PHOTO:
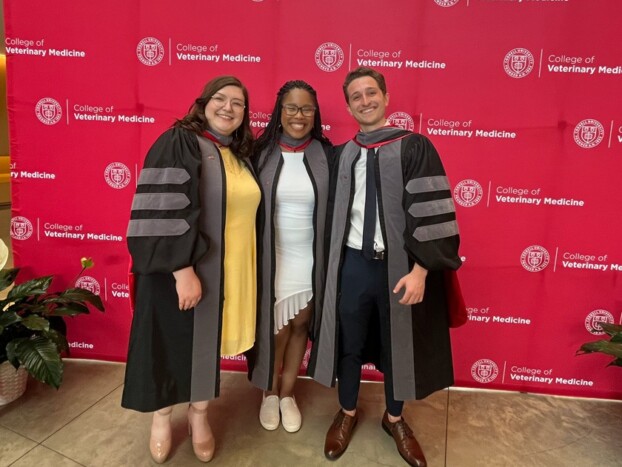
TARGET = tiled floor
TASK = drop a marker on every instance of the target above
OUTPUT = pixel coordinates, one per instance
(83, 424)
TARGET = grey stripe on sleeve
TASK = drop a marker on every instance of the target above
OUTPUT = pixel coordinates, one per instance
(436, 231)
(168, 175)
(157, 227)
(432, 208)
(427, 184)
(159, 201)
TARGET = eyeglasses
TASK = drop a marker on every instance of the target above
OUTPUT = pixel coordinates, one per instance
(221, 101)
(291, 110)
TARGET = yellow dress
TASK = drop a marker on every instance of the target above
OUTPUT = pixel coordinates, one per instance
(240, 282)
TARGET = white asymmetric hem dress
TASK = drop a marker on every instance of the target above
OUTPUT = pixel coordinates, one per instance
(293, 222)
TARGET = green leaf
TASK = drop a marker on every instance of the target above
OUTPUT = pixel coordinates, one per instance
(40, 357)
(617, 338)
(603, 346)
(83, 295)
(7, 277)
(614, 330)
(70, 309)
(36, 323)
(24, 308)
(59, 339)
(10, 356)
(32, 287)
(7, 318)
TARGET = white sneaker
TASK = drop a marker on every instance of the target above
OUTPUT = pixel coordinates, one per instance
(291, 415)
(269, 412)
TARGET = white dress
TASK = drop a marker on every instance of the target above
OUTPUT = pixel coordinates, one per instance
(293, 222)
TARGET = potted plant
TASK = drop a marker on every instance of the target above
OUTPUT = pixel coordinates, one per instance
(612, 347)
(32, 328)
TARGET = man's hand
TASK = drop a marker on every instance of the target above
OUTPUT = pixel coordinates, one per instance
(188, 288)
(414, 284)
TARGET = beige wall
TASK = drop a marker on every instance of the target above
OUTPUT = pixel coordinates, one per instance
(4, 127)
(5, 191)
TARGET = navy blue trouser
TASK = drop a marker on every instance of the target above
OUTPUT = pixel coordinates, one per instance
(364, 302)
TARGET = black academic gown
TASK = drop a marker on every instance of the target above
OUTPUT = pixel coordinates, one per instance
(317, 159)
(177, 220)
(418, 223)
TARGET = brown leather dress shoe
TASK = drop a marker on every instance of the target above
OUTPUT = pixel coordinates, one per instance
(339, 435)
(407, 444)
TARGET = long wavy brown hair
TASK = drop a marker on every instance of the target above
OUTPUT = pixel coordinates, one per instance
(195, 121)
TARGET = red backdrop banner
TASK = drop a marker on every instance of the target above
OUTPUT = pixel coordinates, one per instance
(521, 98)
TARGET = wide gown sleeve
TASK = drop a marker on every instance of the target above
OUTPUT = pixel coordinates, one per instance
(431, 235)
(163, 234)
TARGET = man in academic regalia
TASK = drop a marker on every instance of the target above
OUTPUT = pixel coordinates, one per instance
(393, 237)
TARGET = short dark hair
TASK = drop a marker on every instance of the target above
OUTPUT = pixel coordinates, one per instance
(269, 138)
(361, 72)
(195, 120)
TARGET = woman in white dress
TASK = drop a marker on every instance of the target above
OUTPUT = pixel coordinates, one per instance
(292, 158)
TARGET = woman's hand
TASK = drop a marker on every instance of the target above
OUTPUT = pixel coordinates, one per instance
(188, 288)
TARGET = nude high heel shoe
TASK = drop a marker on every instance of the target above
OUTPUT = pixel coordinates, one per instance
(203, 449)
(161, 434)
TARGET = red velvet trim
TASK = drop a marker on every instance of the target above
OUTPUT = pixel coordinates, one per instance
(212, 138)
(455, 301)
(298, 148)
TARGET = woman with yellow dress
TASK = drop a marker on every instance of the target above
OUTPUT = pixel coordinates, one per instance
(192, 241)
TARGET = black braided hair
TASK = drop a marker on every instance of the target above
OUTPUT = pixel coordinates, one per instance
(269, 137)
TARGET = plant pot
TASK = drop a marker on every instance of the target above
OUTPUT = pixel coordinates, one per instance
(12, 382)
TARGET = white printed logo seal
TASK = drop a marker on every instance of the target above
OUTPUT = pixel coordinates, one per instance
(21, 228)
(329, 57)
(401, 120)
(535, 258)
(468, 193)
(88, 283)
(150, 51)
(593, 320)
(117, 175)
(446, 3)
(588, 133)
(484, 371)
(518, 63)
(48, 111)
